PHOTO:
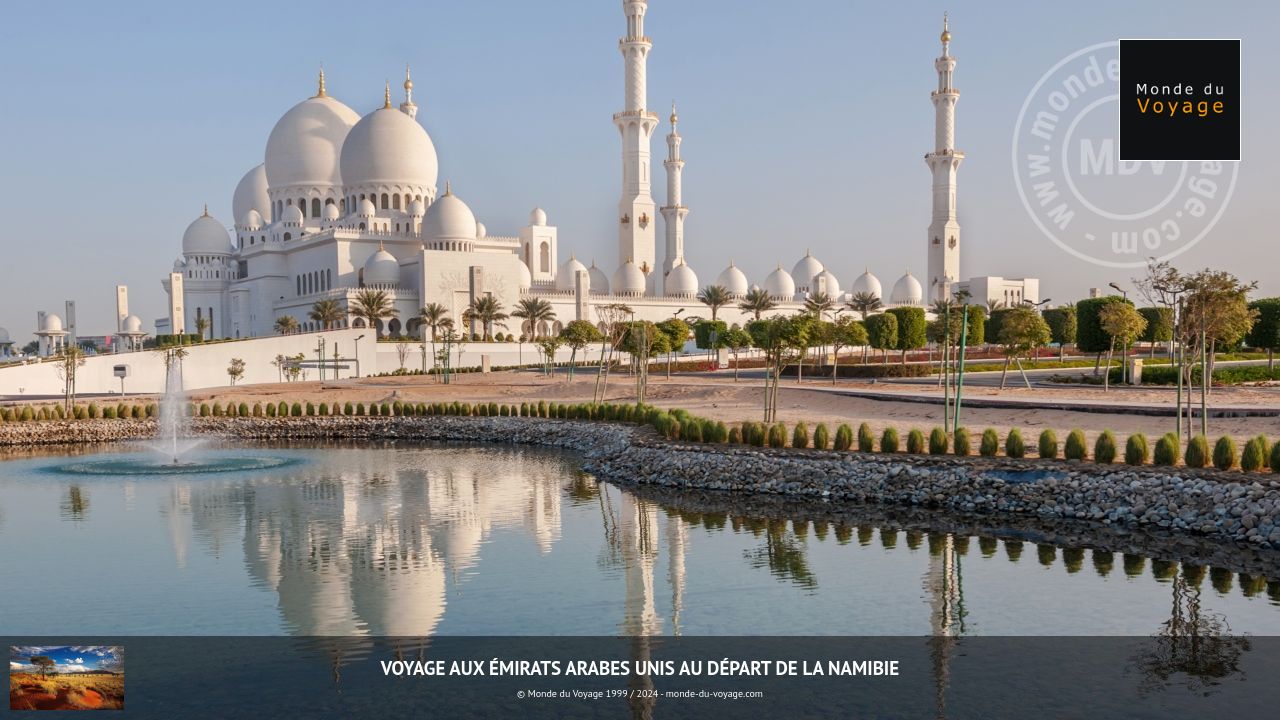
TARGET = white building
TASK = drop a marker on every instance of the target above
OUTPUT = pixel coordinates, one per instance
(344, 202)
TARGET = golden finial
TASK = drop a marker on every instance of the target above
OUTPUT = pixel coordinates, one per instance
(448, 187)
(674, 118)
(946, 33)
(408, 81)
(320, 92)
(206, 210)
(386, 96)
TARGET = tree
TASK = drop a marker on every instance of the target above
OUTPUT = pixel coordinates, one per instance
(977, 332)
(577, 335)
(202, 326)
(714, 297)
(374, 306)
(779, 338)
(432, 316)
(677, 332)
(532, 312)
(326, 313)
(69, 362)
(912, 329)
(845, 332)
(882, 332)
(1022, 332)
(44, 663)
(286, 324)
(1216, 314)
(818, 305)
(1090, 337)
(736, 340)
(611, 317)
(402, 352)
(757, 302)
(864, 302)
(1123, 323)
(995, 322)
(548, 347)
(235, 370)
(487, 311)
(706, 333)
(1265, 333)
(1062, 326)
(1159, 326)
(994, 304)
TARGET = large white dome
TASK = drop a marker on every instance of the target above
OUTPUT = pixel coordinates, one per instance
(628, 280)
(779, 285)
(599, 281)
(389, 148)
(251, 194)
(52, 324)
(568, 274)
(449, 218)
(868, 283)
(805, 270)
(833, 284)
(381, 269)
(733, 280)
(907, 291)
(682, 282)
(526, 277)
(206, 236)
(305, 145)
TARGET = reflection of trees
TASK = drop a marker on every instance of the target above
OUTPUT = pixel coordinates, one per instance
(1193, 647)
(784, 555)
(76, 506)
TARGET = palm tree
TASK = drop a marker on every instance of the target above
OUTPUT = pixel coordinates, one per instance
(864, 303)
(286, 324)
(432, 317)
(533, 312)
(373, 306)
(488, 312)
(714, 297)
(994, 304)
(202, 327)
(818, 305)
(326, 312)
(757, 302)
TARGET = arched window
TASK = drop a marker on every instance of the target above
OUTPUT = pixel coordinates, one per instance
(395, 202)
(544, 258)
(288, 237)
(385, 201)
(361, 226)
(302, 205)
(315, 207)
(289, 202)
(328, 282)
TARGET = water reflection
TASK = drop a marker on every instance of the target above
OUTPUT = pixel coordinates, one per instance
(76, 505)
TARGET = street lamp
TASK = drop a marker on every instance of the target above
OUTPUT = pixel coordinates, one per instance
(1037, 305)
(1123, 293)
(357, 358)
(1171, 293)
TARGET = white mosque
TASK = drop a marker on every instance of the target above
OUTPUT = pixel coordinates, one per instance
(343, 202)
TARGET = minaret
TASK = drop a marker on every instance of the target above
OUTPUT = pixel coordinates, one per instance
(674, 212)
(407, 107)
(636, 221)
(944, 161)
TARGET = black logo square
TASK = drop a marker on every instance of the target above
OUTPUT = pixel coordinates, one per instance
(1180, 100)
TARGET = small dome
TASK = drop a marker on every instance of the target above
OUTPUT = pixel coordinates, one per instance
(449, 218)
(628, 280)
(868, 283)
(733, 280)
(179, 264)
(481, 230)
(833, 285)
(251, 220)
(251, 194)
(292, 215)
(538, 217)
(133, 324)
(305, 144)
(599, 281)
(331, 212)
(526, 277)
(568, 274)
(206, 236)
(907, 291)
(805, 270)
(387, 147)
(52, 324)
(381, 269)
(682, 282)
(417, 208)
(367, 208)
(779, 285)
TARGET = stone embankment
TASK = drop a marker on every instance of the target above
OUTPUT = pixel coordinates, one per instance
(1223, 506)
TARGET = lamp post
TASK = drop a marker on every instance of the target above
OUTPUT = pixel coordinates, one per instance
(358, 339)
(320, 355)
(1176, 360)
(1124, 351)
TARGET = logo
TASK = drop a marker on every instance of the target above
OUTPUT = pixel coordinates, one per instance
(1071, 180)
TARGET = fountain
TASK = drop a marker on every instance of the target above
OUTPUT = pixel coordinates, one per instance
(172, 439)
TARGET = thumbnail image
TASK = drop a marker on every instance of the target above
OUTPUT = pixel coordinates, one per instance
(73, 677)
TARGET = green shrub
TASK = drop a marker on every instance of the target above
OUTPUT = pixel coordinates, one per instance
(360, 408)
(123, 411)
(1254, 457)
(271, 409)
(153, 410)
(1104, 449)
(322, 409)
(386, 410)
(693, 432)
(282, 409)
(1014, 446)
(889, 440)
(94, 411)
(108, 413)
(1224, 453)
(1197, 452)
(257, 409)
(493, 409)
(721, 433)
(937, 441)
(1166, 452)
(1076, 448)
(244, 409)
(1274, 459)
(542, 409)
(735, 435)
(1047, 447)
(821, 437)
(989, 445)
(915, 442)
(800, 436)
(778, 436)
(348, 408)
(1265, 445)
(961, 444)
(231, 410)
(311, 409)
(204, 410)
(218, 410)
(866, 439)
(757, 435)
(844, 437)
(1136, 450)
(296, 409)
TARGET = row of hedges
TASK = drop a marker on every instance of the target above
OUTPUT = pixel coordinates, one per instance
(1225, 375)
(892, 370)
(92, 411)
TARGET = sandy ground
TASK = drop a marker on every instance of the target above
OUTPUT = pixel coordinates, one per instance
(811, 401)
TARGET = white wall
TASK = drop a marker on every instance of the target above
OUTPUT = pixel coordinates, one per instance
(204, 367)
(500, 355)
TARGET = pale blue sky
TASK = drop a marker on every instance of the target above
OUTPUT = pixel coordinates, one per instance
(804, 126)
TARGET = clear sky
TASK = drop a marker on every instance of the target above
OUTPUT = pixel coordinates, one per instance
(68, 658)
(804, 125)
